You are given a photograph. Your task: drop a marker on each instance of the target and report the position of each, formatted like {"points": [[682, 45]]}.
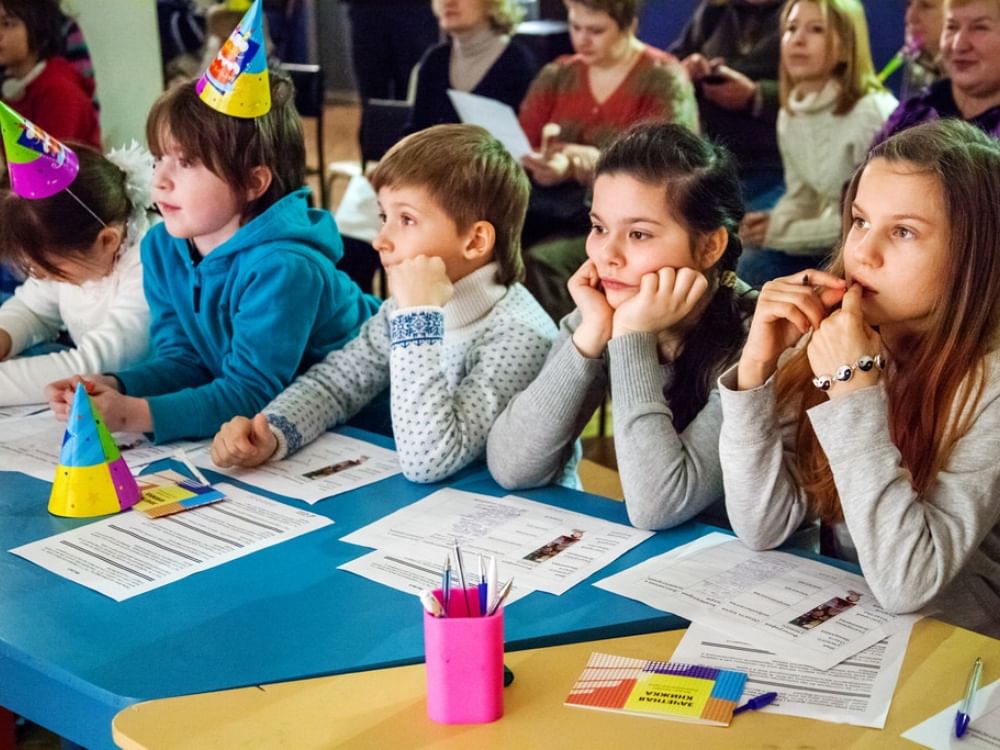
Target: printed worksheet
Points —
{"points": [[857, 691], [541, 546], [19, 412], [31, 445], [498, 118], [983, 733], [807, 611], [129, 554], [329, 465]]}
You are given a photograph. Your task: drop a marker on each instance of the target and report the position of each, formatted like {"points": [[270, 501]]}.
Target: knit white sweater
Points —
{"points": [[820, 151]]}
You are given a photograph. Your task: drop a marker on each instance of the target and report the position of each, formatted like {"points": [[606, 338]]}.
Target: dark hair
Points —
{"points": [[472, 177], [43, 20], [33, 232], [702, 193], [622, 12], [231, 147]]}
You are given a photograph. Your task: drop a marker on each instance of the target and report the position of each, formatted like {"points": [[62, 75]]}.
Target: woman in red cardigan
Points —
{"points": [[37, 81]]}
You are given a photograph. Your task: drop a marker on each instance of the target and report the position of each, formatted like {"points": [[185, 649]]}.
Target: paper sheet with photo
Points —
{"points": [[541, 546], [984, 729], [329, 465], [31, 445], [8, 413], [496, 117], [857, 691], [419, 570], [807, 611], [129, 554]]}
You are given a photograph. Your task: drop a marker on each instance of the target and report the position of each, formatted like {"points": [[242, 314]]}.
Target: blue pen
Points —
{"points": [[964, 714], [482, 587], [757, 702], [446, 583]]}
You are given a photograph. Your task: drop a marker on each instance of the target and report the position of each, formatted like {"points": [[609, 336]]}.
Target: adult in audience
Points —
{"points": [[970, 54], [923, 24], [479, 57], [730, 50], [611, 82]]}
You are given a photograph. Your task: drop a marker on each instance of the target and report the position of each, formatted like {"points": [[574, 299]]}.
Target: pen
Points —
{"points": [[461, 579], [431, 604], [446, 582], [757, 702], [965, 710], [182, 457], [504, 590], [482, 587], [491, 581]]}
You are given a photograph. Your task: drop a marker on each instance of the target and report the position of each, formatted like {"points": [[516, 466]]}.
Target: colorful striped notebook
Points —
{"points": [[684, 692]]}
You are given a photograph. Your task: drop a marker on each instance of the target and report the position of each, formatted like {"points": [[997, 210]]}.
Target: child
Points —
{"points": [[659, 315], [240, 276], [831, 106], [37, 81], [458, 337], [899, 464], [84, 274]]}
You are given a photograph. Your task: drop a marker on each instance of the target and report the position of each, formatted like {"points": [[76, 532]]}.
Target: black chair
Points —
{"points": [[310, 101]]}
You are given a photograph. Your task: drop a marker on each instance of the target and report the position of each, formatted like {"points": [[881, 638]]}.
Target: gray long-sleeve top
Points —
{"points": [[940, 547], [667, 477]]}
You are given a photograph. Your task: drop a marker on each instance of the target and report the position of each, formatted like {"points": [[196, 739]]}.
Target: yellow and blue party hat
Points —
{"points": [[236, 83]]}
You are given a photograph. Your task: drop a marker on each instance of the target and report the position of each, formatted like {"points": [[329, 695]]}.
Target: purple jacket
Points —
{"points": [[930, 104]]}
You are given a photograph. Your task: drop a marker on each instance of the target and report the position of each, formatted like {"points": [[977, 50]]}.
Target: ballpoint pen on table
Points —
{"points": [[755, 703], [491, 581], [461, 579], [964, 714], [446, 583], [504, 590], [481, 587], [182, 457], [431, 604]]}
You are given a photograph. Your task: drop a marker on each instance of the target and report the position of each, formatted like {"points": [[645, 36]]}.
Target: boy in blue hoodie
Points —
{"points": [[241, 276]]}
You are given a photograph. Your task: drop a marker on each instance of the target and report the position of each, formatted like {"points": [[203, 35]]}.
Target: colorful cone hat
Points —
{"points": [[92, 478], [236, 83], [39, 165]]}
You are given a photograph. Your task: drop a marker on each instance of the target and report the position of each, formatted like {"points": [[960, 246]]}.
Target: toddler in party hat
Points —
{"points": [[72, 221], [241, 276]]}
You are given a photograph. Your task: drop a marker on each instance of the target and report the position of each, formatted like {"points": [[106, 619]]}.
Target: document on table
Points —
{"points": [[329, 465], [806, 611], [18, 412], [129, 554], [496, 117], [857, 691], [984, 729], [31, 445], [541, 546], [419, 570]]}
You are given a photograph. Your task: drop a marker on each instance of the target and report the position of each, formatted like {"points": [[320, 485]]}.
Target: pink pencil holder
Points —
{"points": [[464, 657]]}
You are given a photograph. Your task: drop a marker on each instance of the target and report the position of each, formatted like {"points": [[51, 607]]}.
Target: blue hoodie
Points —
{"points": [[230, 333]]}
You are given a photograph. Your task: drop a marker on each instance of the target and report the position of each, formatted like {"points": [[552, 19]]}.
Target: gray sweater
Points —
{"points": [[941, 548], [667, 477]]}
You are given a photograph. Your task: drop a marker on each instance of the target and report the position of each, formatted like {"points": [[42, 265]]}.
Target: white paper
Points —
{"points": [[541, 546], [18, 412], [857, 691], [418, 571], [129, 554], [806, 611], [496, 117], [31, 445], [329, 465], [984, 728]]}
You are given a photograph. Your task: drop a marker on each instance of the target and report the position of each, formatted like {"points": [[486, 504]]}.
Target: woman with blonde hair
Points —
{"points": [[480, 56], [831, 106], [883, 422]]}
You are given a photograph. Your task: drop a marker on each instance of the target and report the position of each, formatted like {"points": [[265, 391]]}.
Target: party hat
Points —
{"points": [[236, 83], [92, 478], [39, 165]]}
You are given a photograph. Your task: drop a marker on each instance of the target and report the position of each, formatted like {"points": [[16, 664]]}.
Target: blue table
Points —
{"points": [[70, 658]]}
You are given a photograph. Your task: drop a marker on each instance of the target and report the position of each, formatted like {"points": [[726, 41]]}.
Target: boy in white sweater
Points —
{"points": [[458, 336]]}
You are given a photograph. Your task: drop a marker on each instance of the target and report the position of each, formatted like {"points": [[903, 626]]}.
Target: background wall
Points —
{"points": [[125, 46]]}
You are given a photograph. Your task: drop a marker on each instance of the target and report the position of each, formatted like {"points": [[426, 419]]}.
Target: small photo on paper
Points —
{"points": [[826, 611], [553, 548], [325, 471]]}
